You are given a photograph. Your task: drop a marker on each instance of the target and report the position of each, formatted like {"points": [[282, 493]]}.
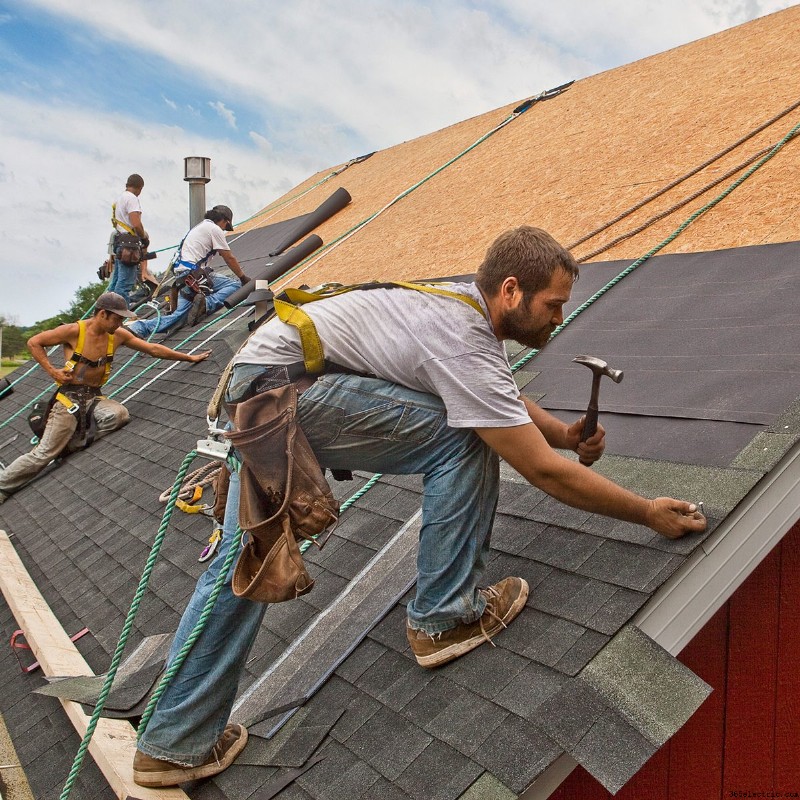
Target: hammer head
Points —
{"points": [[600, 367]]}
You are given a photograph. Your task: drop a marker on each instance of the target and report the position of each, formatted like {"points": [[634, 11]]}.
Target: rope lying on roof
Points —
{"points": [[673, 208], [661, 245], [520, 109], [677, 181]]}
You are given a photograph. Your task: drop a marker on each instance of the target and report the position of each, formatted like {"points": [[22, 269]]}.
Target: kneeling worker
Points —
{"points": [[79, 413], [202, 291]]}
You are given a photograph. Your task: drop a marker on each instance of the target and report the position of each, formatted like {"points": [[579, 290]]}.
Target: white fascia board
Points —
{"points": [[709, 577]]}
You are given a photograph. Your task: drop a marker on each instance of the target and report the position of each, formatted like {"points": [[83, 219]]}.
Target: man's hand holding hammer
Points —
{"points": [[589, 450]]}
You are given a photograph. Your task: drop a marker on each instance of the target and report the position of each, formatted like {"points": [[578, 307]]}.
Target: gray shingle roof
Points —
{"points": [[562, 679]]}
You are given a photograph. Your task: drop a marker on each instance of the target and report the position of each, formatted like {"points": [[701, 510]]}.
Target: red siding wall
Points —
{"points": [[746, 736]]}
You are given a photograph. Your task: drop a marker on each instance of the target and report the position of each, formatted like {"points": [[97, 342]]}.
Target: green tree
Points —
{"points": [[83, 300], [14, 338]]}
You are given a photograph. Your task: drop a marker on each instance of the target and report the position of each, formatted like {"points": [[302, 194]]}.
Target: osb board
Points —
{"points": [[575, 162]]}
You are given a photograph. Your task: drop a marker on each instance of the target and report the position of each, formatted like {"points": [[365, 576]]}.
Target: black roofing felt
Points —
{"points": [[710, 347], [489, 723]]}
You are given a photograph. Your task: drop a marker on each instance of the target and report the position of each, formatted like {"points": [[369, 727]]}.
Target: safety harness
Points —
{"points": [[288, 310], [118, 222], [78, 399]]}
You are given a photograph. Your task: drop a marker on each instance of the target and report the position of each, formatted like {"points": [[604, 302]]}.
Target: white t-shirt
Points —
{"points": [[127, 202], [434, 344], [201, 240]]}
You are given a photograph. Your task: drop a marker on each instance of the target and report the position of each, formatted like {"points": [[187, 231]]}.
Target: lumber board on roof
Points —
{"points": [[114, 741], [574, 162]]}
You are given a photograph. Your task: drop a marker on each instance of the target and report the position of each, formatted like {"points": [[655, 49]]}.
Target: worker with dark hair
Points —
{"points": [[79, 413], [198, 289], [126, 217], [423, 387]]}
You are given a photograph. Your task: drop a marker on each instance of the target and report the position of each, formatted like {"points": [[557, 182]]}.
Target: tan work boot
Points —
{"points": [[148, 771], [504, 601]]}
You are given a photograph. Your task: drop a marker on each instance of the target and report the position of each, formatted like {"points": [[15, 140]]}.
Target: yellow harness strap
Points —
{"points": [[115, 221], [289, 311], [77, 354]]}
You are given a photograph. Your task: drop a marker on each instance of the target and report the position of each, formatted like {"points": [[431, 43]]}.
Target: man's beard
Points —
{"points": [[516, 325]]}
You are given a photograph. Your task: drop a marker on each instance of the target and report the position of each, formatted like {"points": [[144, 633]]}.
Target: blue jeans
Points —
{"points": [[351, 422], [223, 287], [122, 279]]}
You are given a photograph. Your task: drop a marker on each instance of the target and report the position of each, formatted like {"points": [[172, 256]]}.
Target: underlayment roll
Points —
{"points": [[305, 224], [275, 268]]}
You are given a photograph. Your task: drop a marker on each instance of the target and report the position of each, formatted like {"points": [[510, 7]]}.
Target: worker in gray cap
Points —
{"points": [[198, 290], [78, 413]]}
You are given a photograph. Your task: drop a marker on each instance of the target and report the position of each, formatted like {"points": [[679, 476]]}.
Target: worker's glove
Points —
{"points": [[244, 280]]}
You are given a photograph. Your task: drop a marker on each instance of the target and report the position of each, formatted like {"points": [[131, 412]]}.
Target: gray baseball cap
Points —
{"points": [[115, 303]]}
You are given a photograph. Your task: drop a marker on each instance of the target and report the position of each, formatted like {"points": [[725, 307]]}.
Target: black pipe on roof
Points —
{"points": [[275, 268], [333, 205]]}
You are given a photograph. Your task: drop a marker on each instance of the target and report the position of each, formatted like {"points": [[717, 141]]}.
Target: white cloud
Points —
{"points": [[225, 113], [62, 167], [313, 84]]}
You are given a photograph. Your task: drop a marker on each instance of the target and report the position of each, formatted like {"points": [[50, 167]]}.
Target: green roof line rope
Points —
{"points": [[308, 262], [126, 628]]}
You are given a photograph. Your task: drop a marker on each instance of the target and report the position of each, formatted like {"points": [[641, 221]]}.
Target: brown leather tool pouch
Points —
{"points": [[284, 497]]}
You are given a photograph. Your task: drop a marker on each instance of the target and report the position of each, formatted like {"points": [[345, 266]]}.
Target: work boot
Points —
{"points": [[504, 601], [198, 309], [148, 771]]}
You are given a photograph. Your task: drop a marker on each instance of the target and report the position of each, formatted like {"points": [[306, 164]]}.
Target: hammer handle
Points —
{"points": [[590, 423], [589, 429]]}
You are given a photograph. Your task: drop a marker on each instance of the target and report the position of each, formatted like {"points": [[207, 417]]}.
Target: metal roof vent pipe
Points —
{"points": [[197, 171]]}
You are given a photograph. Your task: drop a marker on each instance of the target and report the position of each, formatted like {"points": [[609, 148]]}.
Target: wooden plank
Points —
{"points": [[695, 764], [752, 664], [787, 741], [114, 741]]}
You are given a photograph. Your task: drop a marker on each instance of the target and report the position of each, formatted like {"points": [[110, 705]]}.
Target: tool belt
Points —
{"points": [[284, 497], [79, 400], [128, 248]]}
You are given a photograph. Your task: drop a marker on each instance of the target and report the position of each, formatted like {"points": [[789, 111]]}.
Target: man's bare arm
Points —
{"points": [[126, 338], [136, 223], [524, 447], [230, 260], [62, 335]]}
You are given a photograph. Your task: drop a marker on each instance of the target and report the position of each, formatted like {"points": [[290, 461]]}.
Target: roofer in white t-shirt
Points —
{"points": [[198, 288], [432, 394], [127, 219]]}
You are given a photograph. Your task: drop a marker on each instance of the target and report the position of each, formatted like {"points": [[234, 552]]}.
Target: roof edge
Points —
{"points": [[709, 578]]}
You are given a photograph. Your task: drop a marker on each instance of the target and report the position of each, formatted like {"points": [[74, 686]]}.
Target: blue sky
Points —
{"points": [[271, 92]]}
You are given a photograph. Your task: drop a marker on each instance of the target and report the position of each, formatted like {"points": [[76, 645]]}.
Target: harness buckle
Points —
{"points": [[216, 446]]}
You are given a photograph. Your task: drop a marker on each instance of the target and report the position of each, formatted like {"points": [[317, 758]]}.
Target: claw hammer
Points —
{"points": [[598, 368]]}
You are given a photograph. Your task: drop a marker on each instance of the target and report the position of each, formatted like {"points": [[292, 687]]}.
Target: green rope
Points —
{"points": [[126, 628], [510, 118], [180, 657], [677, 232]]}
